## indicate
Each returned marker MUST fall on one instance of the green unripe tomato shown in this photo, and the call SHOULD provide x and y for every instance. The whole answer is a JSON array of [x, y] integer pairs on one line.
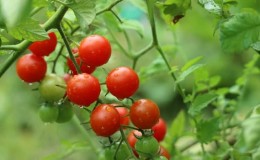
[[52, 87], [147, 147], [48, 112], [65, 112], [109, 153]]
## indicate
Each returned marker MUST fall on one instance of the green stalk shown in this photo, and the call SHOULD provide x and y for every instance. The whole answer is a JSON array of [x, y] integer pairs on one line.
[[150, 9], [65, 40]]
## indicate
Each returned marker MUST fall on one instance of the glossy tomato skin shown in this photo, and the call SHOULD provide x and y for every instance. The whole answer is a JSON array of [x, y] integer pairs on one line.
[[124, 115], [48, 112], [45, 47], [122, 82], [83, 89], [105, 120], [52, 88], [95, 50], [147, 147], [65, 112], [83, 67], [159, 129], [144, 113], [31, 68]]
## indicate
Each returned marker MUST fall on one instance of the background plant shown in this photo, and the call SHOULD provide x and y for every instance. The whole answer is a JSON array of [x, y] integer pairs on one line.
[[199, 60]]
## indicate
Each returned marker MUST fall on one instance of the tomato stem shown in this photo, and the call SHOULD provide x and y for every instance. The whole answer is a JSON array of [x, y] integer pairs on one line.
[[128, 145], [63, 36]]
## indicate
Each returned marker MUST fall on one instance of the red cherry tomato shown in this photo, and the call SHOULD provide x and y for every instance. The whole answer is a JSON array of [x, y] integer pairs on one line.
[[164, 152], [159, 130], [105, 120], [31, 68], [66, 77], [124, 117], [122, 82], [95, 50], [83, 67], [144, 114], [83, 89], [45, 47], [132, 139]]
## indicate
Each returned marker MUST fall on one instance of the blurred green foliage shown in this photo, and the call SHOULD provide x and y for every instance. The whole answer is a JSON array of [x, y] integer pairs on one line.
[[25, 137]]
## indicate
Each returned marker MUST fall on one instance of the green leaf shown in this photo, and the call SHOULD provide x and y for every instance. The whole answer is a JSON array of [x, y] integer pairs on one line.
[[84, 11], [30, 30], [207, 130], [175, 129], [240, 32], [213, 81], [40, 3], [211, 6], [133, 25], [190, 63], [174, 10], [188, 72], [256, 46], [200, 102], [15, 11]]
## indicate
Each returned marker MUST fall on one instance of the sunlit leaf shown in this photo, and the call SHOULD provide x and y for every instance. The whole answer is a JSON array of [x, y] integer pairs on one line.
[[240, 31], [211, 6], [85, 12], [133, 25], [30, 30], [207, 130], [200, 102]]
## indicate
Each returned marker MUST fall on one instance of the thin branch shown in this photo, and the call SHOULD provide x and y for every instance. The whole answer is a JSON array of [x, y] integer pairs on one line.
[[109, 7], [68, 49]]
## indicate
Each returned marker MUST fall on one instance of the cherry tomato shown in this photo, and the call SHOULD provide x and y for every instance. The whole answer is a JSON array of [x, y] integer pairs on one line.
[[105, 120], [65, 112], [48, 112], [31, 68], [83, 89], [122, 82], [110, 152], [147, 146], [124, 117], [132, 139], [164, 152], [83, 67], [52, 87], [159, 130], [95, 50], [66, 77], [144, 114], [45, 47]]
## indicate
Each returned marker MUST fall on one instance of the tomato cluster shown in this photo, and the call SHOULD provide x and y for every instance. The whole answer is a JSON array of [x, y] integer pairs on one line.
[[80, 87]]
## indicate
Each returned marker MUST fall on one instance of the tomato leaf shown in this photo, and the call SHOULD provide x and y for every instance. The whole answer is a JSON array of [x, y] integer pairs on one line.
[[200, 102], [207, 130], [15, 11], [187, 72], [30, 30], [211, 6], [240, 32], [174, 10], [256, 46], [84, 11], [40, 3], [133, 25], [175, 129]]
